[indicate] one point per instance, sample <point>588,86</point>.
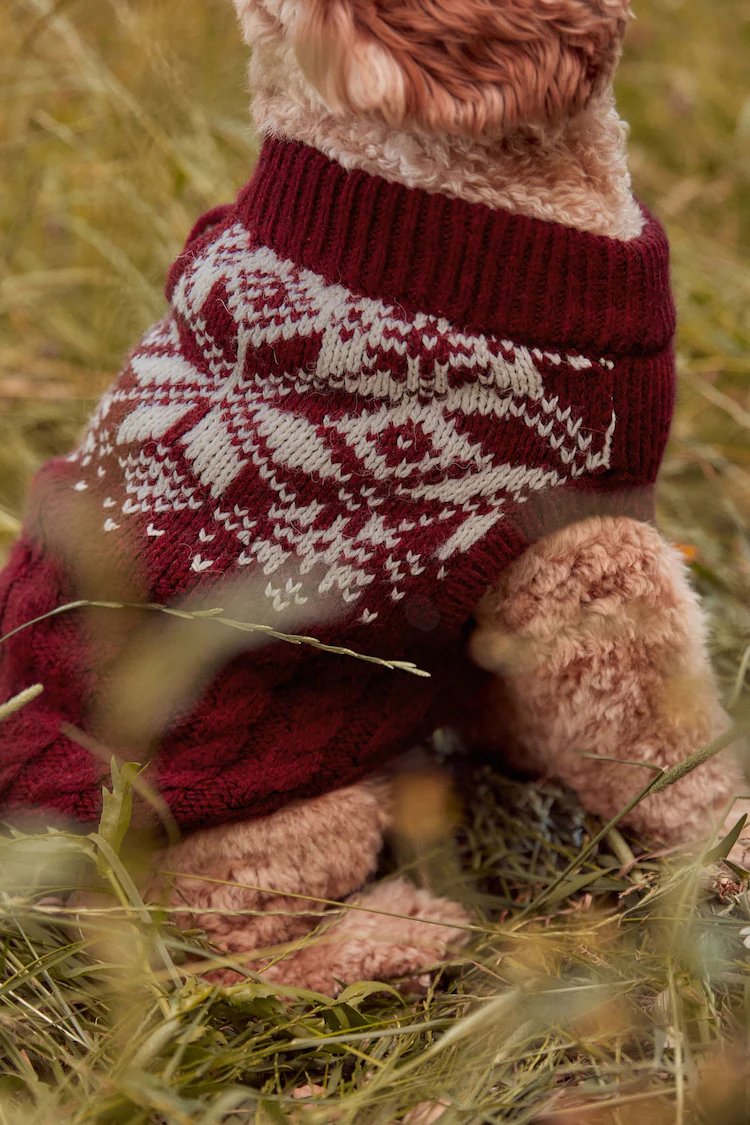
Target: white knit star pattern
<point>278,422</point>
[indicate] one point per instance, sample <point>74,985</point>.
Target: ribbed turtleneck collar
<point>485,270</point>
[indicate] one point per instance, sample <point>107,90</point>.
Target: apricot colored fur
<point>596,638</point>
<point>599,645</point>
<point>320,849</point>
<point>474,67</point>
<point>574,173</point>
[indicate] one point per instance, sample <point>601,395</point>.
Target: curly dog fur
<point>596,640</point>
<point>264,883</point>
<point>599,646</point>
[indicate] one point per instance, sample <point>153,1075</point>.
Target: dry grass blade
<point>215,616</point>
<point>20,701</point>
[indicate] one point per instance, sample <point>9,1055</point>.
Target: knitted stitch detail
<point>535,282</point>
<point>339,450</point>
<point>356,392</point>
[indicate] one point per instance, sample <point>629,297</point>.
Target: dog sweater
<point>363,403</point>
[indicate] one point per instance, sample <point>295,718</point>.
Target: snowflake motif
<point>310,427</point>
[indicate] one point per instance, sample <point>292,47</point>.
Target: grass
<point>604,990</point>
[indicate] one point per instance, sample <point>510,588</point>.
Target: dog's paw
<point>395,931</point>
<point>416,931</point>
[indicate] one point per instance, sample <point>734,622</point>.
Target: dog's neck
<point>577,177</point>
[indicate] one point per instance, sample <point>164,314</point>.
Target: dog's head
<point>478,67</point>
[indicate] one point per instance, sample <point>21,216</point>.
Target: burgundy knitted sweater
<point>364,398</point>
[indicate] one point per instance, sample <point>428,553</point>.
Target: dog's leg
<point>276,867</point>
<point>599,645</point>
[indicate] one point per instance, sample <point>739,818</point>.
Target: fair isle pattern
<point>362,394</point>
<point>277,422</point>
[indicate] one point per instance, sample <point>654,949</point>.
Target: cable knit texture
<point>364,402</point>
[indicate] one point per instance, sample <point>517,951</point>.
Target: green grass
<point>621,995</point>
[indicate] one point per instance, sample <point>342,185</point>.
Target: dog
<point>414,389</point>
